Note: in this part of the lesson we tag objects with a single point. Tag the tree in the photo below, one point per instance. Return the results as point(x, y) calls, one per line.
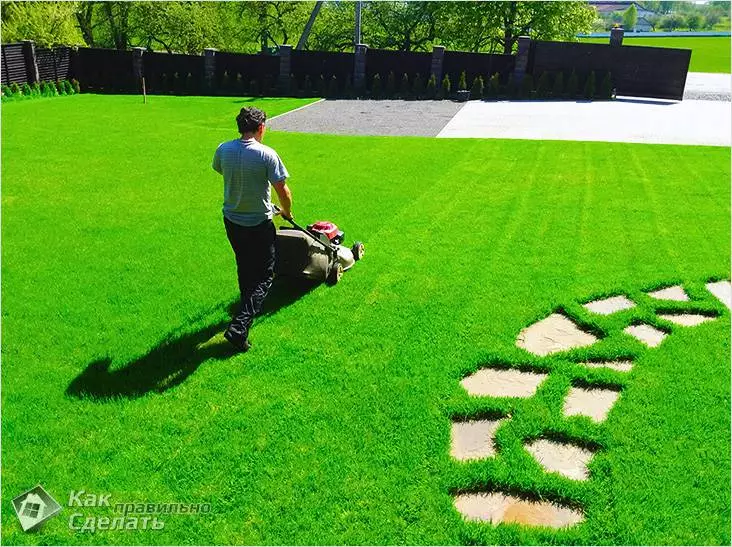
point(273, 21)
point(405, 26)
point(672, 22)
point(47, 23)
point(694, 21)
point(630, 17)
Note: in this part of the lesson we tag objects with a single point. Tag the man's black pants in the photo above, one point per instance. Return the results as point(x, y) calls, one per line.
point(254, 248)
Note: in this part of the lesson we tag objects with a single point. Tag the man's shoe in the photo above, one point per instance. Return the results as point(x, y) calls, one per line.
point(237, 340)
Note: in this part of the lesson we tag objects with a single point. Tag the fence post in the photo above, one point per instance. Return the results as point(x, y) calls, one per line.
point(138, 69)
point(359, 67)
point(616, 36)
point(31, 64)
point(522, 59)
point(438, 55)
point(285, 68)
point(209, 68)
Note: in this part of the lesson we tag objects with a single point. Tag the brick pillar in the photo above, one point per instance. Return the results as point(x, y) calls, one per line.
point(283, 83)
point(31, 65)
point(522, 59)
point(438, 55)
point(209, 68)
point(359, 68)
point(616, 36)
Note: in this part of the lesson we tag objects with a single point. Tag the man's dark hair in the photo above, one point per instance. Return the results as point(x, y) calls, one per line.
point(249, 119)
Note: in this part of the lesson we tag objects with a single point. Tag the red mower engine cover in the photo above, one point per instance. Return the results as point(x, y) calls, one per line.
point(329, 229)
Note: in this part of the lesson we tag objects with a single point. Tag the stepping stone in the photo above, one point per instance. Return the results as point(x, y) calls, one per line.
point(686, 319)
point(474, 440)
point(620, 366)
point(606, 306)
point(676, 292)
point(566, 459)
point(493, 382)
point(593, 403)
point(722, 290)
point(497, 508)
point(647, 334)
point(553, 334)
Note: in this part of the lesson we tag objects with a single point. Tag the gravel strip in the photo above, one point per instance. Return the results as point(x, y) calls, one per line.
point(708, 95)
point(366, 117)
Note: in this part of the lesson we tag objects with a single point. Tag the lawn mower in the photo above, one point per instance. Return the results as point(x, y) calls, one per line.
point(315, 252)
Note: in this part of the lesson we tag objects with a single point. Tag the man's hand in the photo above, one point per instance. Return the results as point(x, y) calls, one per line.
point(283, 192)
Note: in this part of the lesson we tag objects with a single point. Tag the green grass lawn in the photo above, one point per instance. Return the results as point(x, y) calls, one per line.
point(335, 427)
point(708, 54)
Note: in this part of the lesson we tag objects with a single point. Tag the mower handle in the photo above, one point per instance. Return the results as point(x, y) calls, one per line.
point(278, 211)
point(295, 225)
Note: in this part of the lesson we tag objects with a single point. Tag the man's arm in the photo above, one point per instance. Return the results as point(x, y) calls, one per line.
point(216, 163)
point(283, 192)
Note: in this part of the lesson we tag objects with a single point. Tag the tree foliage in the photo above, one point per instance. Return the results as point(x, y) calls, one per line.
point(630, 17)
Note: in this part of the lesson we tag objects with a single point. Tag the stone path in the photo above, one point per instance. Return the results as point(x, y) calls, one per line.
point(474, 440)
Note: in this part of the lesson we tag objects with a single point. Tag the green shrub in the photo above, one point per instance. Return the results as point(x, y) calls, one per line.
point(404, 87)
point(225, 82)
point(444, 91)
point(476, 92)
point(418, 87)
point(307, 86)
point(59, 87)
point(527, 87)
point(75, 85)
point(333, 87)
point(67, 87)
point(322, 86)
point(511, 89)
point(36, 89)
point(253, 87)
point(390, 85)
point(542, 86)
point(5, 90)
point(292, 87)
point(26, 90)
point(572, 86)
point(558, 87)
point(14, 89)
point(590, 86)
point(606, 87)
point(348, 90)
point(431, 91)
point(494, 86)
point(462, 82)
point(376, 87)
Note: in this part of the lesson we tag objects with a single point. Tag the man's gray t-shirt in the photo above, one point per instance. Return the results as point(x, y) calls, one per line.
point(248, 168)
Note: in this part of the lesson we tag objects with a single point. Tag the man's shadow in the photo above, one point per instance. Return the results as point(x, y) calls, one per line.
point(169, 364)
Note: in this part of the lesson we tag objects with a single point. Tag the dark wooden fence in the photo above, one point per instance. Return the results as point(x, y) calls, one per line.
point(383, 61)
point(476, 64)
point(637, 71)
point(14, 69)
point(54, 64)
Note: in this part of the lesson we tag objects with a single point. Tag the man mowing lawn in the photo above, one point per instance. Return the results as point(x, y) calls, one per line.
point(248, 168)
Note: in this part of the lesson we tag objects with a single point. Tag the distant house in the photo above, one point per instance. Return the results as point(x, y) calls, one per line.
point(642, 25)
point(606, 9)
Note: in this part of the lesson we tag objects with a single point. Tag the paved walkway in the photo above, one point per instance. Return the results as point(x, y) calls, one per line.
point(624, 120)
point(692, 121)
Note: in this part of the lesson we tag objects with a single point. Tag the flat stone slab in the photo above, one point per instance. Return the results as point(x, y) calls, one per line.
point(593, 403)
point(553, 334)
point(650, 336)
point(566, 459)
point(722, 290)
point(474, 439)
point(676, 292)
point(620, 366)
point(606, 306)
point(686, 319)
point(492, 382)
point(497, 508)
